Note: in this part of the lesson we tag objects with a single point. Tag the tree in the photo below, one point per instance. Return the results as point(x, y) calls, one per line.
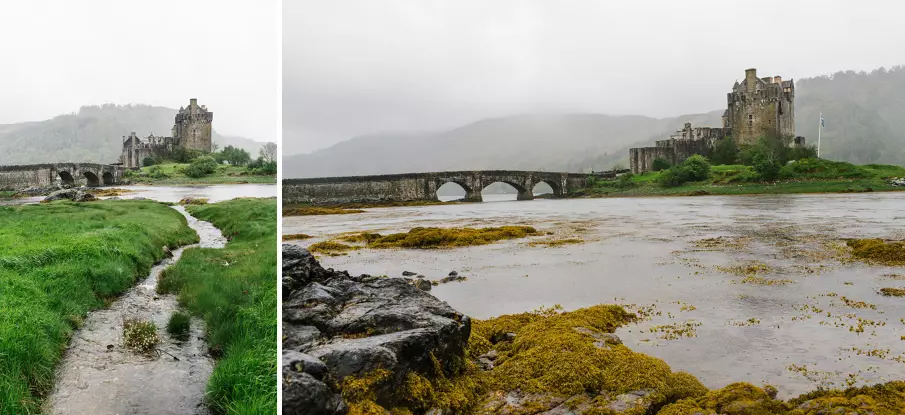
point(660, 164)
point(725, 152)
point(235, 156)
point(268, 152)
point(698, 167)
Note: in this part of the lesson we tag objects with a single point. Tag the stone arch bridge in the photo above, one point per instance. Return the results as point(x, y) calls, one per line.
point(49, 174)
point(422, 186)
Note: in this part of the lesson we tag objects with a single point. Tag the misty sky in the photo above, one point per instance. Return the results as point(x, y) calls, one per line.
point(353, 67)
point(58, 55)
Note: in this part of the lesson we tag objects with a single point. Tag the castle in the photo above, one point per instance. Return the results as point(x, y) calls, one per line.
point(191, 131)
point(756, 107)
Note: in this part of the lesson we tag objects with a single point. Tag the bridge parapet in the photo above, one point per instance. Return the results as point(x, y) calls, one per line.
point(49, 174)
point(422, 186)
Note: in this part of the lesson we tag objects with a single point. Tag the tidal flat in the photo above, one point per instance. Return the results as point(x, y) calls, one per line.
point(760, 289)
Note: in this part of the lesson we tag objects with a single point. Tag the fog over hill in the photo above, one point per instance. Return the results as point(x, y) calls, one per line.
point(863, 115)
point(94, 134)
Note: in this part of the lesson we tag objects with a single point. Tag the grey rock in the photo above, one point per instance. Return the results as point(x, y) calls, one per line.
point(632, 400)
point(423, 285)
point(63, 194)
point(453, 273)
point(303, 394)
point(419, 276)
point(408, 273)
point(355, 324)
point(485, 363)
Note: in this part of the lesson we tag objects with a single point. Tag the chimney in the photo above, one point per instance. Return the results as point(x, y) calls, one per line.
point(751, 79)
point(193, 101)
point(777, 79)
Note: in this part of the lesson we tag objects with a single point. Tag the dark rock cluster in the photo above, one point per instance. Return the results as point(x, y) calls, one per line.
point(336, 325)
point(75, 195)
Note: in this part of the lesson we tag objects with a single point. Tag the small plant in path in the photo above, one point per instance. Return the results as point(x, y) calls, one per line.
point(179, 325)
point(140, 335)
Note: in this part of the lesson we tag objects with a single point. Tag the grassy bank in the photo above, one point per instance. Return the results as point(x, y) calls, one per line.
point(234, 290)
point(825, 177)
point(57, 262)
point(174, 174)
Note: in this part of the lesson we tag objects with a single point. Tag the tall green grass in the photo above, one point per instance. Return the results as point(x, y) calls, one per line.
point(57, 262)
point(235, 290)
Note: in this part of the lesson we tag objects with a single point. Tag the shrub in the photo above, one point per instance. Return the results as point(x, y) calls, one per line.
point(155, 172)
point(625, 181)
point(201, 166)
point(148, 161)
point(140, 335)
point(660, 164)
point(673, 176)
point(179, 325)
point(698, 167)
point(766, 167)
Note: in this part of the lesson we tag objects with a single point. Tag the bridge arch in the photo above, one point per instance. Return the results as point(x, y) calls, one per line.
point(492, 186)
point(554, 187)
point(66, 178)
point(92, 179)
point(108, 178)
point(451, 191)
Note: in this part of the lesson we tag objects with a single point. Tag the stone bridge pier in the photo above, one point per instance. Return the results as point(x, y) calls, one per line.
point(50, 174)
point(422, 186)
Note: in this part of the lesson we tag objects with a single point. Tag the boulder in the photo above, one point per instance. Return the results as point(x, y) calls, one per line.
point(452, 278)
point(408, 273)
point(423, 285)
point(336, 325)
point(74, 195)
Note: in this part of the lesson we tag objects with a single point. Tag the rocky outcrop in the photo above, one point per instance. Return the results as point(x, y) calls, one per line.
point(75, 195)
point(336, 325)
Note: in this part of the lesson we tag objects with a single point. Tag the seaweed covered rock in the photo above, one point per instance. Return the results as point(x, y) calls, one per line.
point(341, 332)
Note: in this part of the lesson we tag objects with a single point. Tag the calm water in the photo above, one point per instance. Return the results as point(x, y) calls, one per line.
point(646, 251)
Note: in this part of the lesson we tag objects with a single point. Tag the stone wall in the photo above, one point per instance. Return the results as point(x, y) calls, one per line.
point(51, 174)
point(192, 128)
point(421, 186)
point(642, 159)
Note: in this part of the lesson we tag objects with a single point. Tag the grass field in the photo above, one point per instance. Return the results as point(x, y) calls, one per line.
point(741, 180)
point(57, 262)
point(171, 174)
point(234, 290)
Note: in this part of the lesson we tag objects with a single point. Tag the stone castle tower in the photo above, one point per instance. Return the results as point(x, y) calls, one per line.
point(756, 107)
point(192, 129)
point(760, 107)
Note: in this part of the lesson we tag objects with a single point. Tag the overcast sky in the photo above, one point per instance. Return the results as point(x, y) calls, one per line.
point(57, 55)
point(353, 67)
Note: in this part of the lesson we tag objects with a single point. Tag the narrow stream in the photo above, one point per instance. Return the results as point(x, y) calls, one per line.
point(99, 376)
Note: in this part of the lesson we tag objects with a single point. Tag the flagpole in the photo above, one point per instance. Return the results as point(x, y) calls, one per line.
point(819, 127)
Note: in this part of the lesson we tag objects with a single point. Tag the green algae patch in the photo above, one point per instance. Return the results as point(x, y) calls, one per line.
point(428, 238)
point(314, 211)
point(893, 292)
point(296, 237)
point(330, 248)
point(878, 251)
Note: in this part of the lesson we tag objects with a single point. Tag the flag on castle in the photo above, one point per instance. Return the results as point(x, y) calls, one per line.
point(822, 124)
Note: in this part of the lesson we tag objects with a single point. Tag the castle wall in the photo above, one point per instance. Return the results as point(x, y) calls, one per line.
point(761, 107)
point(642, 159)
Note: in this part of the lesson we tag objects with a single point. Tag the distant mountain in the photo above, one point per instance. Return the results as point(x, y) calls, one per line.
point(863, 114)
point(93, 134)
point(564, 142)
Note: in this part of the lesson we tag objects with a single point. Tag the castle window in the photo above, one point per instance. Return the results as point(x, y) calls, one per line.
point(750, 117)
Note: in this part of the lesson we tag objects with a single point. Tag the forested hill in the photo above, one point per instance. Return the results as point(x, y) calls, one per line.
point(863, 113)
point(93, 134)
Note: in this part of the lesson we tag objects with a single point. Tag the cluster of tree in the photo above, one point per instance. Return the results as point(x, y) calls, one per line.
point(767, 158)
